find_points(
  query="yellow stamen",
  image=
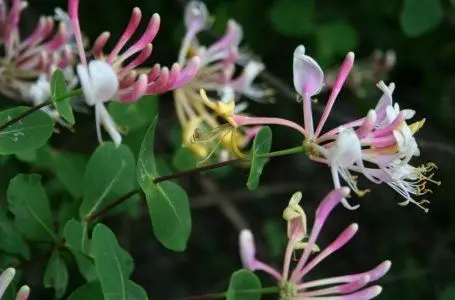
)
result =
(414, 127)
(224, 110)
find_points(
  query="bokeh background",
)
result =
(421, 246)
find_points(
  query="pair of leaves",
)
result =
(113, 265)
(167, 202)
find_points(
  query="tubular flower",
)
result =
(116, 76)
(380, 146)
(218, 64)
(29, 61)
(5, 279)
(293, 284)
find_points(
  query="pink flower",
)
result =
(293, 285)
(382, 140)
(27, 59)
(108, 77)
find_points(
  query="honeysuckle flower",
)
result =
(294, 284)
(5, 279)
(216, 77)
(116, 76)
(27, 59)
(382, 140)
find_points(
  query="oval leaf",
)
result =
(56, 275)
(28, 202)
(58, 91)
(109, 175)
(420, 16)
(29, 133)
(261, 145)
(167, 202)
(109, 266)
(12, 240)
(244, 285)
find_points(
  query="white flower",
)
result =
(100, 84)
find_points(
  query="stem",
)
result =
(117, 202)
(24, 114)
(298, 149)
(38, 107)
(131, 193)
(196, 170)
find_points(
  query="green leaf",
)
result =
(69, 168)
(29, 133)
(135, 292)
(28, 202)
(91, 290)
(59, 90)
(242, 284)
(56, 275)
(167, 202)
(292, 18)
(109, 175)
(85, 265)
(132, 116)
(109, 266)
(261, 145)
(75, 236)
(448, 293)
(12, 240)
(420, 16)
(335, 38)
(184, 159)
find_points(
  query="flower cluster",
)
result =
(28, 63)
(380, 146)
(5, 279)
(117, 76)
(294, 285)
(216, 76)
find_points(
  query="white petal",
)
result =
(196, 16)
(308, 75)
(109, 125)
(104, 80)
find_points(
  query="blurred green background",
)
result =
(421, 246)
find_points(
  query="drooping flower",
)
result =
(294, 284)
(5, 279)
(116, 76)
(28, 62)
(216, 76)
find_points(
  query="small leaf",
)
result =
(135, 292)
(261, 145)
(28, 202)
(135, 115)
(59, 90)
(108, 264)
(292, 18)
(56, 275)
(91, 290)
(29, 133)
(85, 266)
(167, 202)
(448, 293)
(75, 236)
(11, 239)
(109, 175)
(242, 286)
(420, 16)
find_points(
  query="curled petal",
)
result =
(188, 72)
(368, 125)
(308, 75)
